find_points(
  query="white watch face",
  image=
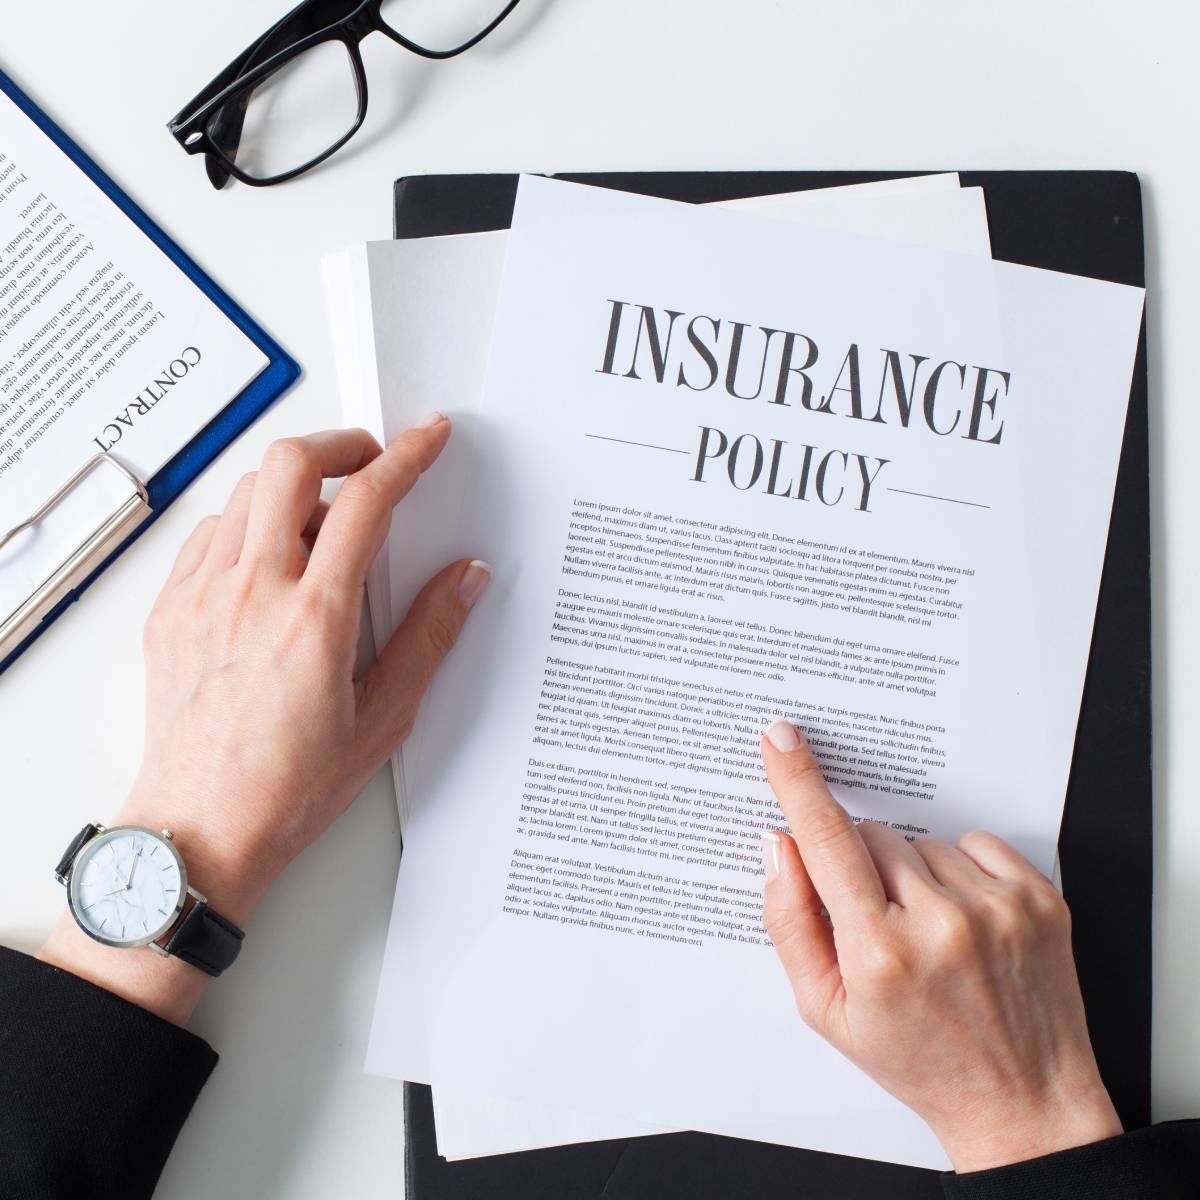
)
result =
(126, 886)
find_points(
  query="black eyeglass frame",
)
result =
(189, 126)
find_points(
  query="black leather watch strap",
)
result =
(80, 840)
(206, 940)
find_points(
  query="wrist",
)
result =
(222, 865)
(166, 987)
(1016, 1131)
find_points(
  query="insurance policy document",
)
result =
(727, 470)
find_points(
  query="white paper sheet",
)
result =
(104, 345)
(945, 220)
(421, 289)
(348, 294)
(1066, 341)
(903, 185)
(469, 1124)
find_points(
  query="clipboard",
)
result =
(1081, 222)
(115, 531)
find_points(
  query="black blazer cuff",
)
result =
(94, 1089)
(1158, 1163)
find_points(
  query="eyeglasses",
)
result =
(300, 92)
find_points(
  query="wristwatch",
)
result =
(127, 886)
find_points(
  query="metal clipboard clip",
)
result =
(81, 561)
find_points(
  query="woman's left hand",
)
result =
(258, 734)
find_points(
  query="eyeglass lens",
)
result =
(293, 116)
(440, 24)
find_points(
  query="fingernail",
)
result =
(770, 845)
(784, 736)
(430, 420)
(475, 579)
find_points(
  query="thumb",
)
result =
(390, 693)
(803, 937)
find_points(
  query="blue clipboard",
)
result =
(279, 374)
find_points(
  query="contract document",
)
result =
(106, 346)
(728, 469)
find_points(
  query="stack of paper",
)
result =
(818, 457)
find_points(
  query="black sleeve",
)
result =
(1159, 1163)
(93, 1089)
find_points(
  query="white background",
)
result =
(566, 85)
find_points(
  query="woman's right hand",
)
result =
(944, 972)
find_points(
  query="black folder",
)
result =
(1082, 222)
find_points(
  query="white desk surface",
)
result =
(565, 85)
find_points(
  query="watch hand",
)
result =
(129, 881)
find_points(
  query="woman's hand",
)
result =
(944, 972)
(257, 732)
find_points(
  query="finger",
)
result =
(391, 691)
(998, 858)
(227, 541)
(191, 553)
(950, 866)
(361, 513)
(289, 486)
(902, 870)
(833, 852)
(796, 923)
